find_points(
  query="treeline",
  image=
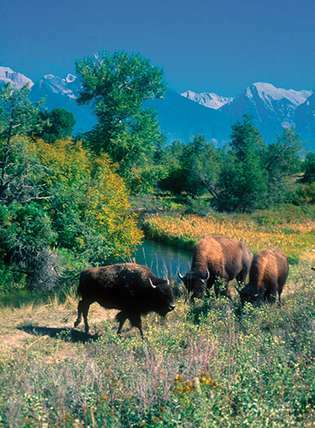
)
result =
(64, 201)
(246, 174)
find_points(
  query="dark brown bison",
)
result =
(213, 258)
(129, 287)
(267, 276)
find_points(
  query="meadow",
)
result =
(208, 365)
(288, 228)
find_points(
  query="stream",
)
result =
(162, 259)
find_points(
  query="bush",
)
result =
(61, 197)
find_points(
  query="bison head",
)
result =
(247, 294)
(195, 282)
(164, 298)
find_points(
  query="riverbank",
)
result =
(291, 229)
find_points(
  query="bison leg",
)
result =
(85, 311)
(135, 320)
(241, 277)
(271, 295)
(121, 318)
(79, 318)
(280, 288)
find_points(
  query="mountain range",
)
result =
(184, 115)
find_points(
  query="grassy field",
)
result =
(207, 366)
(291, 229)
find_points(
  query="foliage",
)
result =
(309, 168)
(58, 196)
(89, 204)
(18, 116)
(233, 370)
(192, 168)
(244, 176)
(57, 124)
(281, 160)
(243, 181)
(118, 84)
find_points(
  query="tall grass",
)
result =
(209, 365)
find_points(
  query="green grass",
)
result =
(210, 365)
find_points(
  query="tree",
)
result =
(57, 125)
(309, 168)
(192, 167)
(281, 160)
(89, 207)
(243, 180)
(119, 84)
(18, 116)
(60, 198)
(202, 164)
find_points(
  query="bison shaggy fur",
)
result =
(267, 276)
(216, 257)
(131, 288)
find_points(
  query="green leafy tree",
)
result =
(202, 165)
(192, 168)
(61, 198)
(25, 226)
(281, 160)
(172, 159)
(57, 125)
(118, 85)
(243, 180)
(18, 116)
(309, 168)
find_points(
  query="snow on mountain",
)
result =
(18, 80)
(67, 86)
(207, 99)
(190, 113)
(270, 93)
(305, 121)
(271, 108)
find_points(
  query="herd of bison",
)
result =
(135, 290)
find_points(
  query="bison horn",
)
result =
(180, 276)
(207, 276)
(151, 283)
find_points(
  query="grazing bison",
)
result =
(216, 257)
(129, 287)
(267, 276)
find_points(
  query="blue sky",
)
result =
(201, 44)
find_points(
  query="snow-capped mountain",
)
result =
(271, 108)
(207, 99)
(7, 75)
(68, 86)
(63, 92)
(182, 116)
(305, 121)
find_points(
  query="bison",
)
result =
(267, 276)
(131, 288)
(213, 258)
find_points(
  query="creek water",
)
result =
(162, 259)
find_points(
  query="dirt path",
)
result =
(21, 328)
